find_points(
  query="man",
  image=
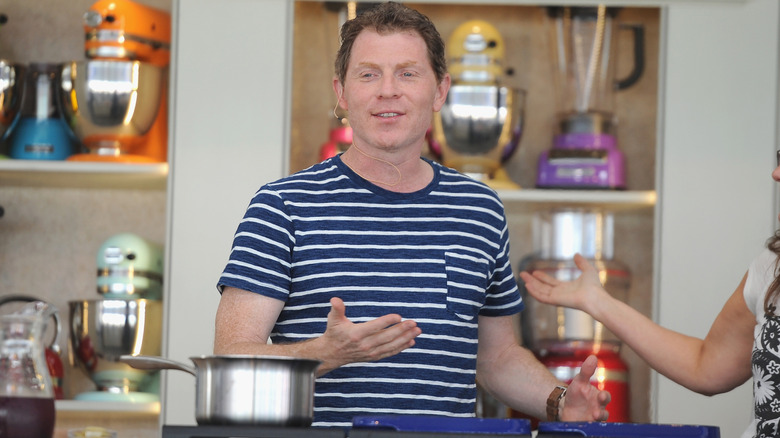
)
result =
(390, 269)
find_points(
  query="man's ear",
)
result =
(441, 92)
(338, 88)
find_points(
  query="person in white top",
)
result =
(744, 339)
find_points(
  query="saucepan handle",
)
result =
(155, 363)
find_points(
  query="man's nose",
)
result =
(389, 86)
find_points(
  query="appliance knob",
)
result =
(92, 18)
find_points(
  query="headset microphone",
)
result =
(336, 107)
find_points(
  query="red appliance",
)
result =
(339, 140)
(561, 337)
(611, 374)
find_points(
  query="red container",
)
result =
(611, 374)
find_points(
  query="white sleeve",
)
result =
(760, 275)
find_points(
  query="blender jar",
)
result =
(26, 392)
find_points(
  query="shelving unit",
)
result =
(531, 200)
(83, 175)
(86, 175)
(122, 408)
(129, 419)
(106, 181)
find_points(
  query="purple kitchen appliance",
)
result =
(585, 154)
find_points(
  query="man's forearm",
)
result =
(308, 349)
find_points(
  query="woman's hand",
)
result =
(582, 293)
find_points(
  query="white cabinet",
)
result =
(715, 195)
(229, 133)
(716, 140)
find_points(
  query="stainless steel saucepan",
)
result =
(245, 389)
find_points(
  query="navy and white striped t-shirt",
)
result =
(439, 256)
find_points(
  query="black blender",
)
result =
(585, 154)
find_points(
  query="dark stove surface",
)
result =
(303, 432)
(250, 432)
(368, 433)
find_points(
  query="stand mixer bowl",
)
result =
(111, 104)
(477, 125)
(11, 84)
(104, 330)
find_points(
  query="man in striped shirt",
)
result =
(389, 268)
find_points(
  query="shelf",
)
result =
(77, 174)
(619, 3)
(76, 407)
(529, 200)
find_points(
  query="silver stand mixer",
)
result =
(480, 125)
(127, 320)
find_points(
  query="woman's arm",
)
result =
(715, 364)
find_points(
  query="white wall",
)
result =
(230, 135)
(716, 194)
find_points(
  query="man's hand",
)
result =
(583, 401)
(347, 342)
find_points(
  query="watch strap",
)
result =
(554, 403)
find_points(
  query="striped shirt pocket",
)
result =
(467, 280)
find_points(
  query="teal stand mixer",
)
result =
(126, 320)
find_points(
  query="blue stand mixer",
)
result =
(40, 132)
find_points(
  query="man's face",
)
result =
(390, 90)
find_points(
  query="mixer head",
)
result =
(475, 52)
(126, 30)
(130, 267)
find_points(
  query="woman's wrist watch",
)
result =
(554, 403)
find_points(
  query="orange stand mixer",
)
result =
(116, 101)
